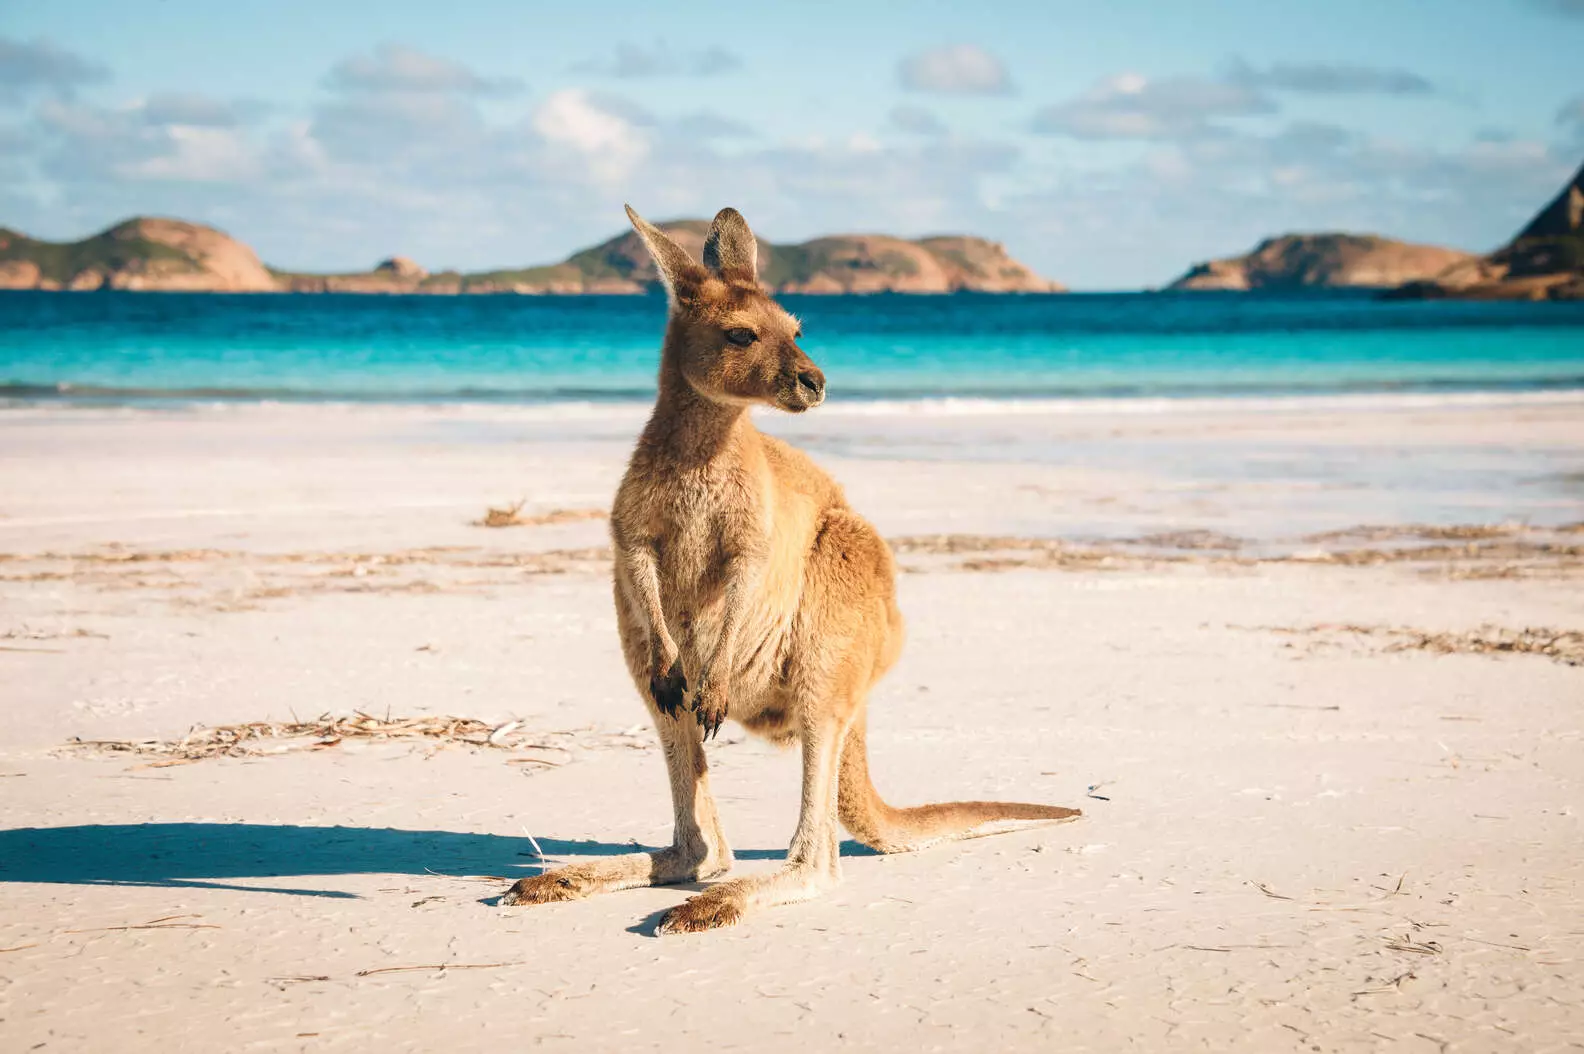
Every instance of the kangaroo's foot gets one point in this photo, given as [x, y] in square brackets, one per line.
[715, 908]
[628, 871]
[565, 883]
[725, 903]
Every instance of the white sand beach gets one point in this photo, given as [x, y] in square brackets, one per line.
[1313, 672]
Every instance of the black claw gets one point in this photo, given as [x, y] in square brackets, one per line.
[662, 697]
[669, 692]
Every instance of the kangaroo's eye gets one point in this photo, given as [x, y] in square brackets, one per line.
[741, 337]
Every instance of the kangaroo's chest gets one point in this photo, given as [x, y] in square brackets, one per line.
[702, 521]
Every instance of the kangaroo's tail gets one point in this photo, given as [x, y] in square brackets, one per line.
[890, 830]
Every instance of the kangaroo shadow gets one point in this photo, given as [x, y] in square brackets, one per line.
[205, 855]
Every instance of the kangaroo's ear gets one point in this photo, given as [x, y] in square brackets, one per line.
[731, 250]
[679, 272]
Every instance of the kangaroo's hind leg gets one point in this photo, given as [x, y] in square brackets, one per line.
[846, 632]
[698, 846]
[813, 863]
[827, 706]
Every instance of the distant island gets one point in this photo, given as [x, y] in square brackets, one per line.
[150, 253]
[1544, 262]
[1321, 261]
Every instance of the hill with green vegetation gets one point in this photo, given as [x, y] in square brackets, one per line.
[141, 253]
[847, 263]
[151, 254]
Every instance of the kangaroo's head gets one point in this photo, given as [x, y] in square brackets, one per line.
[732, 342]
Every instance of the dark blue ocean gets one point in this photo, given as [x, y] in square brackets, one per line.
[157, 348]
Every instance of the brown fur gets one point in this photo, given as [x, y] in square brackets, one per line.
[747, 588]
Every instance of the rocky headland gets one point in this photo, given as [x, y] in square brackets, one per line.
[174, 255]
[1321, 261]
[1545, 261]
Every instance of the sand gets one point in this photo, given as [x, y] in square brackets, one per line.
[1331, 789]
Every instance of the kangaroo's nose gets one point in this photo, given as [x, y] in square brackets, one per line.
[812, 382]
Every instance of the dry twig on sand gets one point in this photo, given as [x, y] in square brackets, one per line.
[435, 966]
[282, 982]
[167, 922]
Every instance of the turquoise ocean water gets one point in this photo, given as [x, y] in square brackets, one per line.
[162, 348]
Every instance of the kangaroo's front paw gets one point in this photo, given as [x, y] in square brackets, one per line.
[548, 888]
[709, 706]
[713, 909]
[669, 690]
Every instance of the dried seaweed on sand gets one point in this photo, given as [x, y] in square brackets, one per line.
[1564, 646]
[512, 516]
[265, 738]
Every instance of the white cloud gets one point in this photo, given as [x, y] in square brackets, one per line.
[390, 128]
[190, 108]
[1199, 197]
[1132, 106]
[916, 120]
[610, 141]
[1330, 78]
[661, 60]
[401, 155]
[705, 124]
[401, 109]
[397, 68]
[40, 66]
[199, 154]
[960, 69]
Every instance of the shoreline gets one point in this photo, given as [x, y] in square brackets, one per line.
[24, 397]
[1269, 472]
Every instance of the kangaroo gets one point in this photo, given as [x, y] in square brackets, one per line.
[747, 588]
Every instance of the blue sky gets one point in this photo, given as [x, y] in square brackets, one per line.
[1108, 145]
